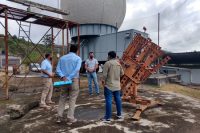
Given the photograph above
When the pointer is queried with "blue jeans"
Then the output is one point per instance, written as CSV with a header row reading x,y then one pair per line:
x,y
108,97
92,77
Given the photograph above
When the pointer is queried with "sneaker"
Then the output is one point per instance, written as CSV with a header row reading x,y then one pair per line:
x,y
70,120
59,119
119,117
106,120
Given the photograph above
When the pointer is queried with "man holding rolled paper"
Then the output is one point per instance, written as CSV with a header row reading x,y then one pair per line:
x,y
68,69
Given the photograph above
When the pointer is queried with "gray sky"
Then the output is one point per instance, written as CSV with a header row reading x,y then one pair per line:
x,y
179,22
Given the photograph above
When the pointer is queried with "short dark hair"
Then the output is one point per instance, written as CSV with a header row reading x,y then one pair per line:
x,y
112,54
91,52
73,48
47,55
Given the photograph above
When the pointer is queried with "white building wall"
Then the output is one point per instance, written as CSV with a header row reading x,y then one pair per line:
x,y
185,76
195,76
188,76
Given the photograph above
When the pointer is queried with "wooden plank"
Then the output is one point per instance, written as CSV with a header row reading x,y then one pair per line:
x,y
139,111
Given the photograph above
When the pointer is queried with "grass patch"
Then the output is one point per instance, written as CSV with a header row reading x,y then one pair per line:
x,y
181,89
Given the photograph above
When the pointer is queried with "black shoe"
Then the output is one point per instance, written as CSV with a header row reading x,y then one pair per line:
x,y
59,120
120,118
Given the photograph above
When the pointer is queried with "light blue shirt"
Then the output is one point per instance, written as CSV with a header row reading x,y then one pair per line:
x,y
46,65
69,66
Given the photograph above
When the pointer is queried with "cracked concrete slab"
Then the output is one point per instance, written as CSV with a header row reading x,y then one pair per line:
x,y
179,114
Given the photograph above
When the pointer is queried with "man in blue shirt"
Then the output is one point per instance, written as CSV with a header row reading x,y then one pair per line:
x,y
47,75
68,69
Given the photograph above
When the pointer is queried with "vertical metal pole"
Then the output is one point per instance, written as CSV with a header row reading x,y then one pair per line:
x,y
52,47
78,27
63,41
158,29
6,53
158,38
78,37
116,38
67,38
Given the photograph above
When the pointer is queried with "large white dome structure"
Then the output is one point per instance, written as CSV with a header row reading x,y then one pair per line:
x,y
107,12
96,17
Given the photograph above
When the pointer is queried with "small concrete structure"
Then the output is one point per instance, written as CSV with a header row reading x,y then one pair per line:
x,y
162,79
187,75
12,61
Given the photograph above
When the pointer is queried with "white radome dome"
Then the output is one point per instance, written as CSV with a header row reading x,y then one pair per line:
x,y
109,12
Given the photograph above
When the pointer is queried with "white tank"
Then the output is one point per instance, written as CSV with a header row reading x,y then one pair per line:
x,y
108,12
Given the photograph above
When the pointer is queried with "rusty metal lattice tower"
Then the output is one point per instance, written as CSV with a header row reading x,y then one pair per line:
x,y
20,15
139,61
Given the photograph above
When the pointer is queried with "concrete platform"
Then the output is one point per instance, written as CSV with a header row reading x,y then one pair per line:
x,y
179,114
162,79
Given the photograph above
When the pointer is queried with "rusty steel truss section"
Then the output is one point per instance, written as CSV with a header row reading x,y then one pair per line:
x,y
141,59
20,15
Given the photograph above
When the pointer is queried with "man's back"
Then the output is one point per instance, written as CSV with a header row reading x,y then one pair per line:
x,y
112,73
69,65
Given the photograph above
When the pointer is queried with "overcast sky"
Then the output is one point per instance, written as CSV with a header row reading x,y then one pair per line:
x,y
179,22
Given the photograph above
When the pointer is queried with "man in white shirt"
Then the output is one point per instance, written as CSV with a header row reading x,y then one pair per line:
x,y
91,65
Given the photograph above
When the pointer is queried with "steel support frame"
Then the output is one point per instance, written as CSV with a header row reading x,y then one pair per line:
x,y
6,53
67,33
139,62
63,42
78,37
7,77
52,47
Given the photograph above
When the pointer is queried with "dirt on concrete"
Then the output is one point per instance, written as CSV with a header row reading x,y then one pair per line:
x,y
179,114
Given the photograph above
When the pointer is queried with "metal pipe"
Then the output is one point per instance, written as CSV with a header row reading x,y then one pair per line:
x,y
78,27
158,38
67,38
52,46
6,52
63,41
158,29
116,38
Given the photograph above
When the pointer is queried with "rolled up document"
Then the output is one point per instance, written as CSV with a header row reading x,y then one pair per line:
x,y
62,83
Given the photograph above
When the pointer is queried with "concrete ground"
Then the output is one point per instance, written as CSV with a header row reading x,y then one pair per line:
x,y
179,114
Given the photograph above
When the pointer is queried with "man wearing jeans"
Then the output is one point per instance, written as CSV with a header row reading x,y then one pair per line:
x,y
91,65
112,71
68,69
